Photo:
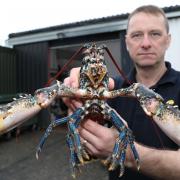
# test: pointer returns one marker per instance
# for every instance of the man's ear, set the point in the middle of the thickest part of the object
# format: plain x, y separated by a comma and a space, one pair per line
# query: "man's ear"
127, 48
168, 41
126, 43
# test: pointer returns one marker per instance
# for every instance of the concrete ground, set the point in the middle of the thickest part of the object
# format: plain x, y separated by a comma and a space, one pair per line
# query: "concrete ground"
18, 162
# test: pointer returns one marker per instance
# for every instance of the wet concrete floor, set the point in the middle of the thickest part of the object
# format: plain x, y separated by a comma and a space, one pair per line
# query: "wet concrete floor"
18, 161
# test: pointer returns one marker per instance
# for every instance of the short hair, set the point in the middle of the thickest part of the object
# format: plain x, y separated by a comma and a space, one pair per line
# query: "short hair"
150, 9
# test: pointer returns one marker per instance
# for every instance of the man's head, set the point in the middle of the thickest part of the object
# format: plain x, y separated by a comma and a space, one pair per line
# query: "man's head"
147, 36
150, 9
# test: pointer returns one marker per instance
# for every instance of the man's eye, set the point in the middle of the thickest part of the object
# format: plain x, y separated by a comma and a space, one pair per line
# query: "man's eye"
155, 34
136, 36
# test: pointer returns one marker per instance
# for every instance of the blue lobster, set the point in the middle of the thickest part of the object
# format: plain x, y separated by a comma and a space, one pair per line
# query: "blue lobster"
93, 88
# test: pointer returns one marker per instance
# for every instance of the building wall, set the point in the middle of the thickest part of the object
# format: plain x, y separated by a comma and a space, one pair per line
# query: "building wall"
32, 74
7, 71
32, 66
173, 53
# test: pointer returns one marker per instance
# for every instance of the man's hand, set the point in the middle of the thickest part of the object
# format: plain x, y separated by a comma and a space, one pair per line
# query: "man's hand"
97, 139
72, 81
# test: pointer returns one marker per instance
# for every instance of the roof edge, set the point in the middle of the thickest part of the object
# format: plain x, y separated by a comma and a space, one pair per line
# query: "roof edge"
93, 26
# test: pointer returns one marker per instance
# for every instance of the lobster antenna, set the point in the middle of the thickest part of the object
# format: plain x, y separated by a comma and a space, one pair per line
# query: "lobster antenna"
116, 65
64, 67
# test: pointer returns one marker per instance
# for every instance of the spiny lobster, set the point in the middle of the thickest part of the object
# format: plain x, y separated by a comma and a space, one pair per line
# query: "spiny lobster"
93, 90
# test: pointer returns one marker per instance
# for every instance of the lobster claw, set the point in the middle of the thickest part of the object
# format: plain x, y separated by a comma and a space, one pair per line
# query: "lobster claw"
45, 96
149, 100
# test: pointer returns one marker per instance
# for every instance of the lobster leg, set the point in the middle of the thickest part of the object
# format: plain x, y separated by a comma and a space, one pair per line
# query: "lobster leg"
53, 124
77, 152
73, 124
125, 137
73, 156
47, 133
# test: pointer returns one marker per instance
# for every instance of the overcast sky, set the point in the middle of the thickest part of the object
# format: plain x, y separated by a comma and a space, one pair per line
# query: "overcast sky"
22, 15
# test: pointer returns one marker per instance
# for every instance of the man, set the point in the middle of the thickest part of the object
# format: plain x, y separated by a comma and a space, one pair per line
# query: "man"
147, 40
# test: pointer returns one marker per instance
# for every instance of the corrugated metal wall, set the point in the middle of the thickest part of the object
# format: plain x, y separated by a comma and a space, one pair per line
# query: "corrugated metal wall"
126, 61
32, 73
7, 71
32, 66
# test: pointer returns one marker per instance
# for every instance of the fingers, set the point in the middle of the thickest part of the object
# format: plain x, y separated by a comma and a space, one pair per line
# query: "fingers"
99, 130
72, 104
69, 111
111, 84
88, 140
92, 127
89, 147
99, 140
72, 81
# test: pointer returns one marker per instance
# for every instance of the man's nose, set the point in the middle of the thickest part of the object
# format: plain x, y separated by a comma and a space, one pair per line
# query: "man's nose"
146, 42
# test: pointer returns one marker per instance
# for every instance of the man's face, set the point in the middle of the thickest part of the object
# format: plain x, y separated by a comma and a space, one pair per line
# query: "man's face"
147, 39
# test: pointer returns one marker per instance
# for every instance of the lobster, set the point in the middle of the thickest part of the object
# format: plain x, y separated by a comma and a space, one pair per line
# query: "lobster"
93, 91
